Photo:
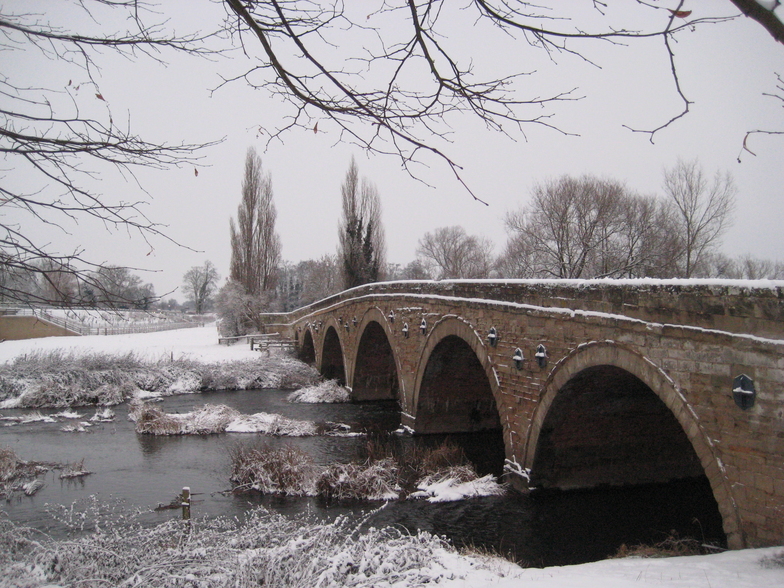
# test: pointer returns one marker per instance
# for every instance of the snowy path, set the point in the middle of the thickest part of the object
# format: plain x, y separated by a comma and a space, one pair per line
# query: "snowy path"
733, 569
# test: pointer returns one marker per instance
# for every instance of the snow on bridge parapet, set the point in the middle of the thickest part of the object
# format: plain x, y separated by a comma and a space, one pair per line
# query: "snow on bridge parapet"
754, 307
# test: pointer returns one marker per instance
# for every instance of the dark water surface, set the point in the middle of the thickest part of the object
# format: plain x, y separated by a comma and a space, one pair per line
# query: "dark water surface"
139, 472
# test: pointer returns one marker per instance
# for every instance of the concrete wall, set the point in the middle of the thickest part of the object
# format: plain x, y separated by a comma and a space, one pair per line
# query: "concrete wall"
29, 327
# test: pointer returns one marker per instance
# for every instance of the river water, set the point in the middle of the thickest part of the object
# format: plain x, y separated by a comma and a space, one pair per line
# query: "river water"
133, 472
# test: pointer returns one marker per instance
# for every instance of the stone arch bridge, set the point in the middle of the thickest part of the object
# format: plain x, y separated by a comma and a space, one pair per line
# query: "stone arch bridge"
604, 382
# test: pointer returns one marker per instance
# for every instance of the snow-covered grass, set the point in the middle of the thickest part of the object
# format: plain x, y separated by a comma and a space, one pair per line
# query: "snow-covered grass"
18, 476
198, 344
268, 549
427, 473
284, 470
40, 377
219, 418
325, 392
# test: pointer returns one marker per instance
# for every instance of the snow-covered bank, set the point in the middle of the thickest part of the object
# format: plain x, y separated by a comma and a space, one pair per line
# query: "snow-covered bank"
272, 550
76, 371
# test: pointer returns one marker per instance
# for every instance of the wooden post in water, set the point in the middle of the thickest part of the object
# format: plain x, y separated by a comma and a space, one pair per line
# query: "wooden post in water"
186, 503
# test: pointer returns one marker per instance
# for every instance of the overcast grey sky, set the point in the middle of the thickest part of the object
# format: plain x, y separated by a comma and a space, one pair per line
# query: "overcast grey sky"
724, 70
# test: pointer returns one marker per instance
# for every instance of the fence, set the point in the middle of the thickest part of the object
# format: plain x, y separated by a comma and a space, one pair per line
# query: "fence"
77, 327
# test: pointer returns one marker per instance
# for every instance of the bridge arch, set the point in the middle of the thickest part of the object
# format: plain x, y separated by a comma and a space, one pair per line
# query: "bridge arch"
375, 374
333, 358
456, 385
608, 360
307, 349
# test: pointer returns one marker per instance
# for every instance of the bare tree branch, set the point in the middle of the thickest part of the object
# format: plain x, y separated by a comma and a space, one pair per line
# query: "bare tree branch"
53, 153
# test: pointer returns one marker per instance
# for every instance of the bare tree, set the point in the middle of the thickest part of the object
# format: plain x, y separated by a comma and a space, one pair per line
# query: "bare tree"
238, 311
361, 246
452, 253
588, 227
315, 56
118, 288
646, 244
704, 210
566, 230
56, 150
255, 245
200, 283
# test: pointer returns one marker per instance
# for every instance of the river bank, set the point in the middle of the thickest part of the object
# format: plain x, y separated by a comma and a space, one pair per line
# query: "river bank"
368, 559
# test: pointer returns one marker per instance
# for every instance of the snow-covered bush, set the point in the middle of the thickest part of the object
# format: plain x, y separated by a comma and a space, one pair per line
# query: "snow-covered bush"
57, 379
374, 481
219, 418
204, 421
421, 474
325, 392
265, 549
283, 470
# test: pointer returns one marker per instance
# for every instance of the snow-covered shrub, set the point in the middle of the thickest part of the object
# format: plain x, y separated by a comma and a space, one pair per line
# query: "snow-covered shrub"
457, 484
283, 470
325, 392
265, 549
265, 372
56, 379
207, 420
374, 481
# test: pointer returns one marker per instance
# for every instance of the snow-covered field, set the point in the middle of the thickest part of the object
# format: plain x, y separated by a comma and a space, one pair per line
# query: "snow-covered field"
199, 344
226, 558
108, 370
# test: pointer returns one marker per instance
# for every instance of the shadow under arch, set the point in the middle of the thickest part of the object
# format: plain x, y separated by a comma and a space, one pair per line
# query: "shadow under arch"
376, 369
307, 350
332, 365
456, 387
625, 383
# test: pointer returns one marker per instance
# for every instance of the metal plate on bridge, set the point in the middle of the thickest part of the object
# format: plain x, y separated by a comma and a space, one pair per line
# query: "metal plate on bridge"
743, 391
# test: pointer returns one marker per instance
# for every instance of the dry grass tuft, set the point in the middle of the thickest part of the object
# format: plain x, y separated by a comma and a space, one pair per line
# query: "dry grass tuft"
672, 546
374, 481
774, 561
284, 470
17, 475
385, 473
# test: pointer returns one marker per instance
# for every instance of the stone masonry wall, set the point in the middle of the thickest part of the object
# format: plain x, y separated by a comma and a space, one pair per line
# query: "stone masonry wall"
685, 342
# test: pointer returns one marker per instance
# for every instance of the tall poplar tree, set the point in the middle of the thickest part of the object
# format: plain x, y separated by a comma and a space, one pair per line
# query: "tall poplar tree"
362, 246
255, 245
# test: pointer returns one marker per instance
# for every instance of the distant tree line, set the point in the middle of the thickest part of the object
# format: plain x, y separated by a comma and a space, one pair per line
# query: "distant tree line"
570, 228
55, 284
